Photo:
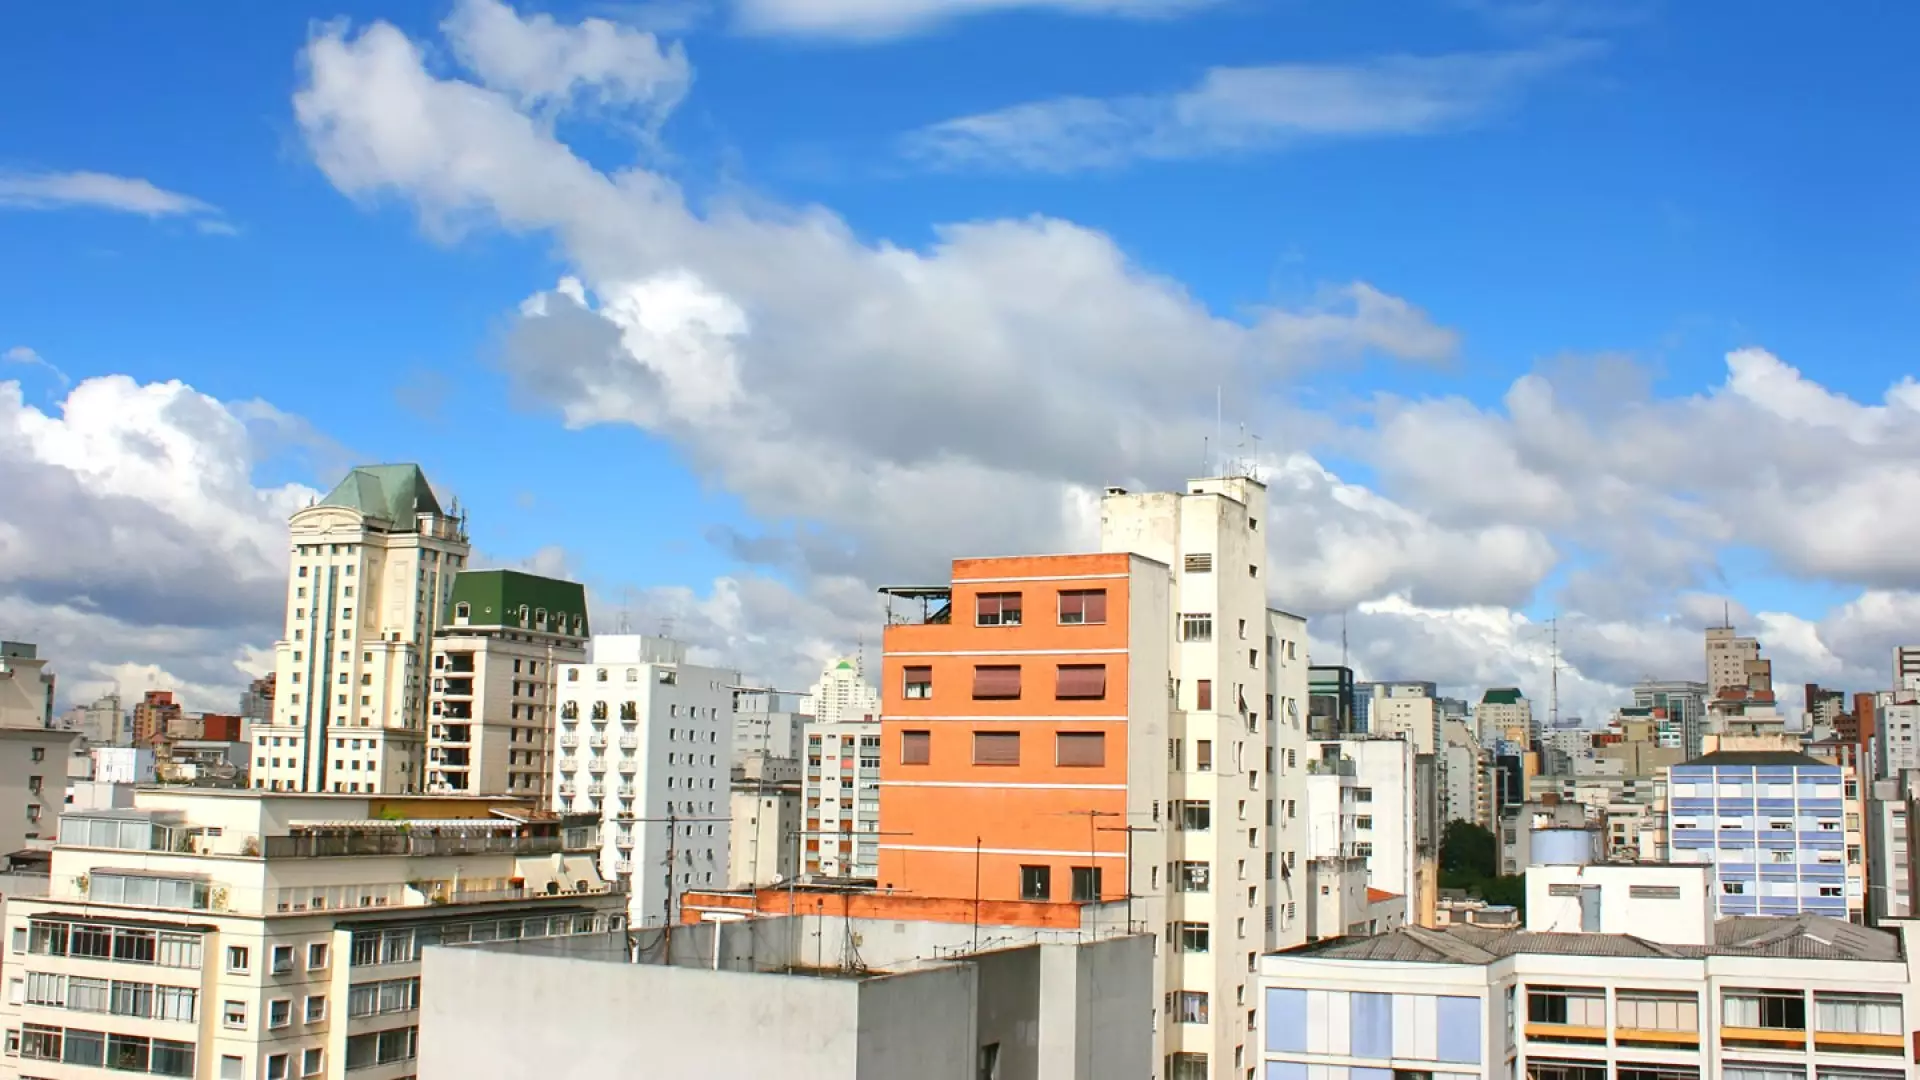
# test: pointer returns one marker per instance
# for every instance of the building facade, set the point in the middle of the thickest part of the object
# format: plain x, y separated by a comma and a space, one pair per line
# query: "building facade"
1782, 831
643, 745
764, 838
842, 771
33, 783
260, 936
1685, 706
1505, 715
843, 693
26, 687
370, 579
491, 721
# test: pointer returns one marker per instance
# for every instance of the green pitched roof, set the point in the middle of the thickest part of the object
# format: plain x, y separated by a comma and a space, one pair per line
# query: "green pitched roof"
393, 493
495, 597
1503, 695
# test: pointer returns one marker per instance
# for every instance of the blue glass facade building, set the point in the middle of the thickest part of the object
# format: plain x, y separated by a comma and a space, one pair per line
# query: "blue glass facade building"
1772, 824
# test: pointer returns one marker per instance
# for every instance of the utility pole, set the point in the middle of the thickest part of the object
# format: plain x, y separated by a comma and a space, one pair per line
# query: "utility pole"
673, 821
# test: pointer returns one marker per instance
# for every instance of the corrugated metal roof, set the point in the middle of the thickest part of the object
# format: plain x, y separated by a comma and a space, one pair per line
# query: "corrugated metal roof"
1800, 937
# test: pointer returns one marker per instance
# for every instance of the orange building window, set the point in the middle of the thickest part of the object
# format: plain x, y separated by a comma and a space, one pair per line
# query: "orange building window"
1036, 882
1083, 607
996, 748
996, 681
919, 683
1081, 681
1082, 749
997, 609
916, 747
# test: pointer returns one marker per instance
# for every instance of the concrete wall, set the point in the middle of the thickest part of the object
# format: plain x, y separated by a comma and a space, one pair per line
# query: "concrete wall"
913, 1026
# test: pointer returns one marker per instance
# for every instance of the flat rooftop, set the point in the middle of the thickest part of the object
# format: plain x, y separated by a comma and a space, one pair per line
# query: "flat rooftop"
1797, 937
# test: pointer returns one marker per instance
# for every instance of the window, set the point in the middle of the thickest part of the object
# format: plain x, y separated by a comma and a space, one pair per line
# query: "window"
238, 958
234, 1014
1199, 564
1654, 892
1190, 936
1081, 682
1858, 1014
1778, 1010
1734, 1070
1080, 749
1083, 607
88, 995
131, 999
278, 1067
176, 1003
1192, 815
1186, 1066
1650, 1010
918, 683
1203, 755
1036, 882
282, 959
1196, 627
1193, 877
311, 1061
997, 609
171, 1058
996, 682
1733, 888
381, 1047
1203, 694
316, 1008
1574, 1007
279, 1012
916, 747
316, 956
996, 748
1190, 1007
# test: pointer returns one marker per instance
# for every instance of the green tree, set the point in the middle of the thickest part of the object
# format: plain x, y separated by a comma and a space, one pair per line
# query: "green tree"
1469, 851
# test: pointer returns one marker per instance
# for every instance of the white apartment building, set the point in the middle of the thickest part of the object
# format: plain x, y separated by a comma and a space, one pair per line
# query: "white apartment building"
124, 764
1239, 678
371, 577
1405, 710
246, 935
1466, 775
843, 693
494, 664
842, 772
768, 722
1360, 803
643, 743
1572, 997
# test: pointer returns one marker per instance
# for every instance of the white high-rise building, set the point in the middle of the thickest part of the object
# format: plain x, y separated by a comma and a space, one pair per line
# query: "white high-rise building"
644, 740
843, 798
843, 693
1239, 680
1405, 710
371, 575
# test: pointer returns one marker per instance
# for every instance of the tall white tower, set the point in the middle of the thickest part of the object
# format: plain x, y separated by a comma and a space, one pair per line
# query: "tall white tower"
843, 693
1239, 680
371, 576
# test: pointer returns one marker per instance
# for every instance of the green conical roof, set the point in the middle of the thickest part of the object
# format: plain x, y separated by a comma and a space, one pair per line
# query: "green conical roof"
393, 493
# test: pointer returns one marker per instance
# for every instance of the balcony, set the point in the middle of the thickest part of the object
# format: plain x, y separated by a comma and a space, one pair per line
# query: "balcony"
629, 742
420, 840
596, 789
629, 766
1331, 767
597, 765
598, 742
625, 791
568, 742
455, 688
623, 866
458, 664
564, 789
624, 843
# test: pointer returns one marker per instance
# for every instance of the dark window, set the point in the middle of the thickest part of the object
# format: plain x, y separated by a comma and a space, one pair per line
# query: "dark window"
1086, 884
997, 609
1036, 882
996, 682
916, 747
1083, 749
1203, 755
1083, 607
996, 748
1081, 681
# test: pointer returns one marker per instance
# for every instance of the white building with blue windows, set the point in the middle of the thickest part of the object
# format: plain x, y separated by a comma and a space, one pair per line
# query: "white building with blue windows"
1781, 830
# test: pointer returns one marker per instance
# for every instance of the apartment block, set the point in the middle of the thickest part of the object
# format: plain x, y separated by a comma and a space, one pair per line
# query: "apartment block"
1571, 997
1782, 831
495, 660
26, 687
769, 723
764, 837
33, 783
1361, 803
843, 693
248, 935
643, 745
370, 579
1505, 715
842, 772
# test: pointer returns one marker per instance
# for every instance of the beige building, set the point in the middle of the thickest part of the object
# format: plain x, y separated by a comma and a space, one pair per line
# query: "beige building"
370, 579
494, 663
765, 837
33, 783
243, 935
1506, 714
26, 687
1729, 660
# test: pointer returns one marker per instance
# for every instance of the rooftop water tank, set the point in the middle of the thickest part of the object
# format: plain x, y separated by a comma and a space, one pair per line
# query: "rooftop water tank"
1563, 846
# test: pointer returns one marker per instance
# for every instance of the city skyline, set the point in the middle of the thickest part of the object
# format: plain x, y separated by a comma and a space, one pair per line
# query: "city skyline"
1622, 413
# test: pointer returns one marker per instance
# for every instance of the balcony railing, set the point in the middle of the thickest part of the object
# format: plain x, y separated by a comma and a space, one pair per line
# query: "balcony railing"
626, 791
328, 845
596, 789
565, 788
1331, 767
598, 742
629, 742
597, 765
568, 742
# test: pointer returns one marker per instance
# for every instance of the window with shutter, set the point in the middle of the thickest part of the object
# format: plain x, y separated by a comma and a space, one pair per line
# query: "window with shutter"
1081, 749
1083, 607
992, 681
997, 609
918, 683
1199, 564
996, 748
1082, 681
916, 747
1203, 694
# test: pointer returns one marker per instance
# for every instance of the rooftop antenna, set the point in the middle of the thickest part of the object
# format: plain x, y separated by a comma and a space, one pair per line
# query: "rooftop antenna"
1553, 708
1343, 638
1219, 423
626, 602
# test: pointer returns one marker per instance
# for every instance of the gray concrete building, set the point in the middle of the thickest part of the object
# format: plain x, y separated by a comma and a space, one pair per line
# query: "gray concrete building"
802, 997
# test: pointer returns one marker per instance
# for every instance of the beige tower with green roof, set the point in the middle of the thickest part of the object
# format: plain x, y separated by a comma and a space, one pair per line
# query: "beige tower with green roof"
370, 576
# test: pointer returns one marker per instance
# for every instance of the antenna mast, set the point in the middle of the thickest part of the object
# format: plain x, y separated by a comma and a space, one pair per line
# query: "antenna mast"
1553, 629
1343, 639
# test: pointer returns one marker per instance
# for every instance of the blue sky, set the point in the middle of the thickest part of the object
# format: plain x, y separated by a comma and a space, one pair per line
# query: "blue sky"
1669, 184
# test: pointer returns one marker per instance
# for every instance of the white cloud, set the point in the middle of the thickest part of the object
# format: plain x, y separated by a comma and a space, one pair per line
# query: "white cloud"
881, 19
1245, 109
100, 191
547, 66
134, 537
21, 354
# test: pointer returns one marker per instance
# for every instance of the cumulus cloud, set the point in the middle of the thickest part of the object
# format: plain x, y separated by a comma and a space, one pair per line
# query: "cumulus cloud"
547, 66
134, 537
1243, 109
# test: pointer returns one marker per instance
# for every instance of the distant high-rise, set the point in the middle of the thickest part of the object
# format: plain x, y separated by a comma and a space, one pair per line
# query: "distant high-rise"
1734, 664
154, 715
256, 703
1685, 704
1505, 715
371, 576
843, 693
